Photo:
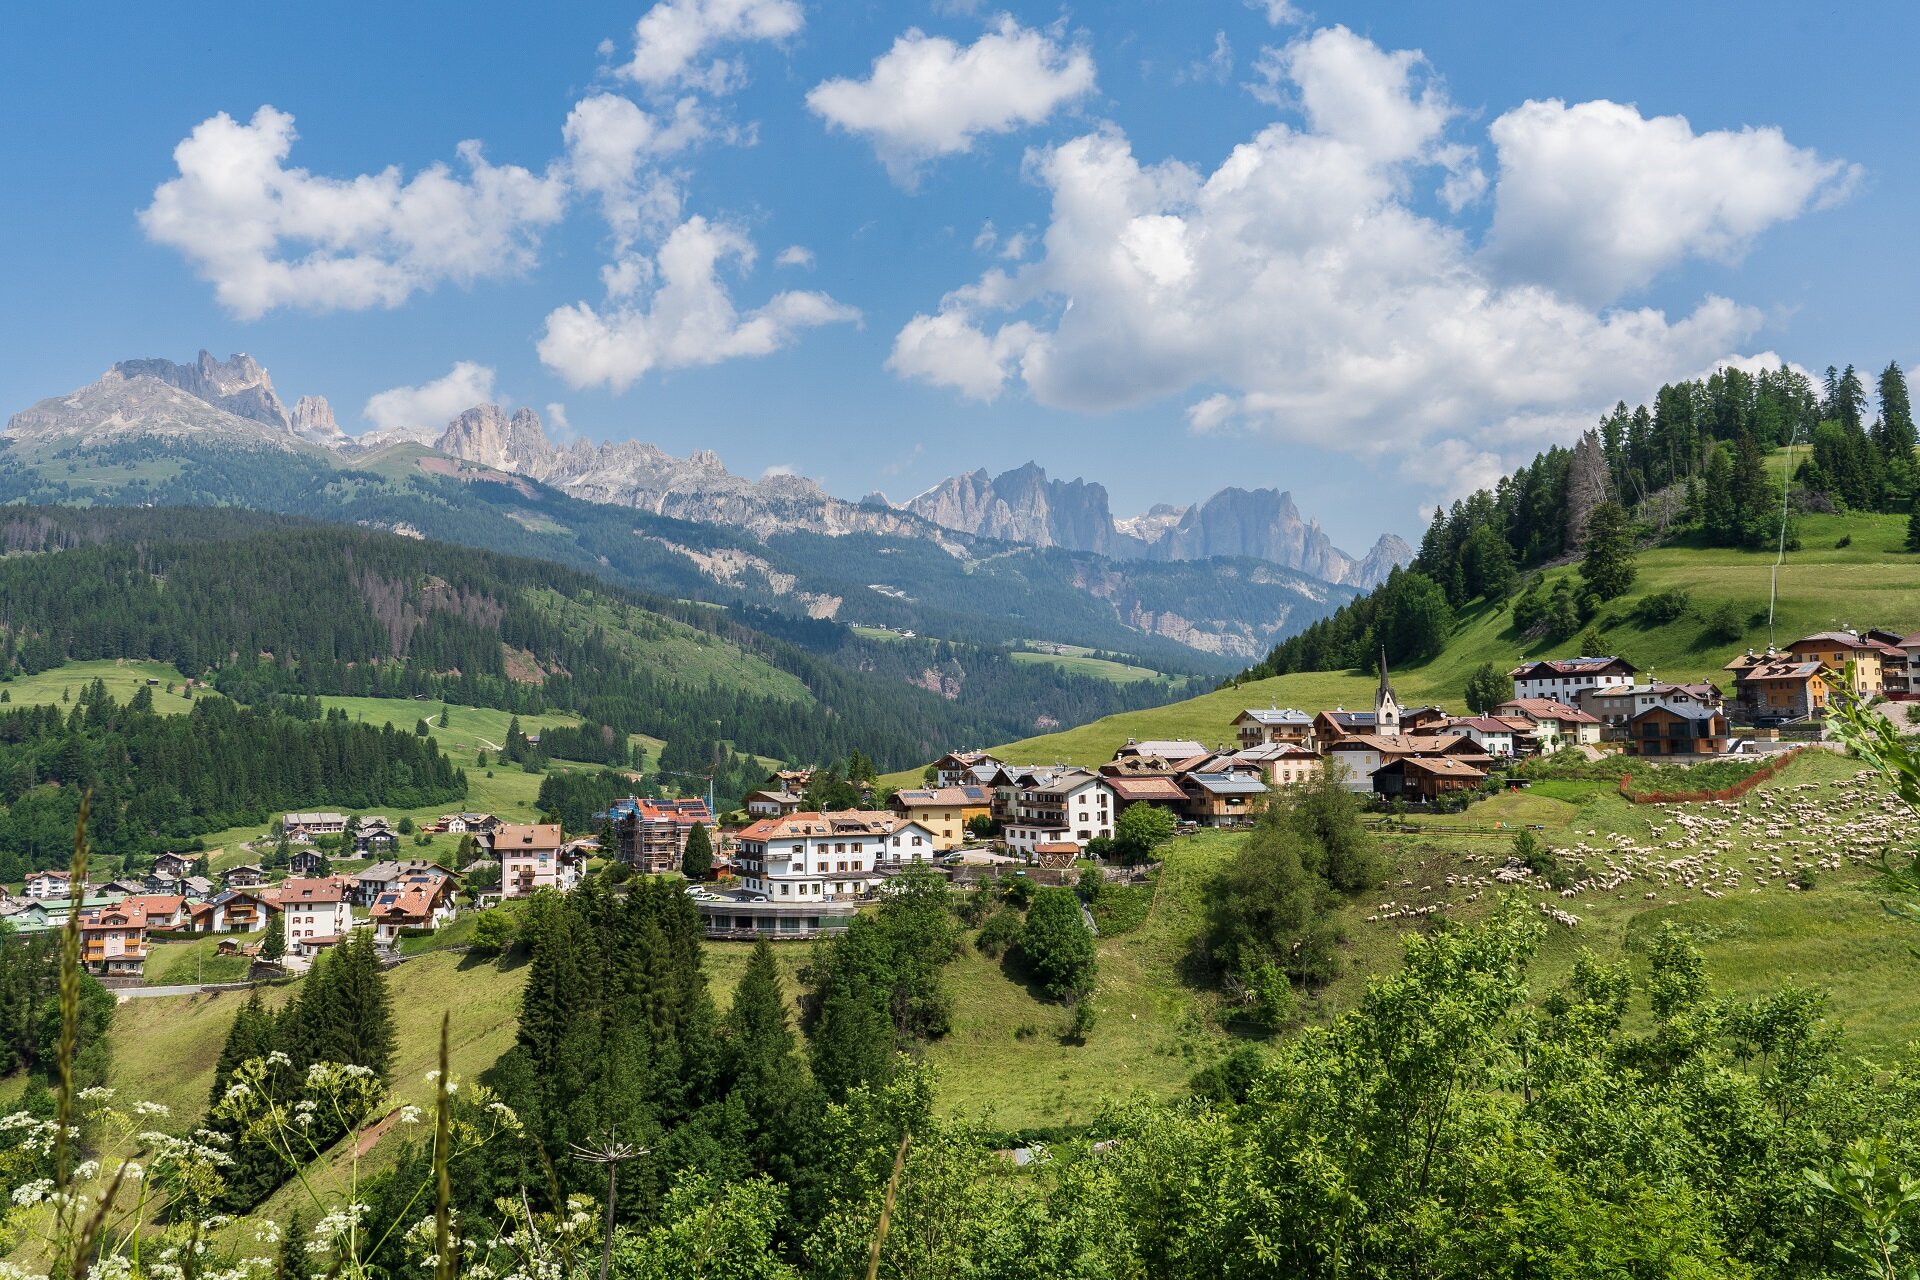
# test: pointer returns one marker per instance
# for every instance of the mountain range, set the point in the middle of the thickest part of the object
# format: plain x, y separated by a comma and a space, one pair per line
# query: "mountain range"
993, 560
1023, 505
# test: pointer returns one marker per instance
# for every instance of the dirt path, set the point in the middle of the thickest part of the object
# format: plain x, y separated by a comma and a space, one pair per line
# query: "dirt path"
374, 1132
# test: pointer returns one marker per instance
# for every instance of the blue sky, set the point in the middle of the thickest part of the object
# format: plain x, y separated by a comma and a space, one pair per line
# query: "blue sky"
1368, 253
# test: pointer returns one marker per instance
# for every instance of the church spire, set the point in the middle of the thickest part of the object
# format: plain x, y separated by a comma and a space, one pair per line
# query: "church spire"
1386, 707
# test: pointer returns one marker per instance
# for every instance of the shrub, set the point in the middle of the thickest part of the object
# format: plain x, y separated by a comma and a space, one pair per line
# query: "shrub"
1667, 606
1232, 1078
1725, 623
1541, 860
1083, 1019
1000, 932
974, 907
494, 931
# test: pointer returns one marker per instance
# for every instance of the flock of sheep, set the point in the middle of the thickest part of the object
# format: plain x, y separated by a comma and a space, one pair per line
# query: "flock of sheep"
1771, 838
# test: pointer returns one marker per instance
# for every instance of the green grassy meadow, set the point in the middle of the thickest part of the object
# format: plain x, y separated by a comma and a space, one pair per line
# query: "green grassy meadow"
195, 961
123, 678
505, 790
1082, 665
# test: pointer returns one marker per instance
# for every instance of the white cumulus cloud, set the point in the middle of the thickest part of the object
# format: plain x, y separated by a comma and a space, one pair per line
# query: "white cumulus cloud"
928, 96
1597, 199
269, 236
795, 255
687, 317
612, 145
432, 404
673, 38
1295, 289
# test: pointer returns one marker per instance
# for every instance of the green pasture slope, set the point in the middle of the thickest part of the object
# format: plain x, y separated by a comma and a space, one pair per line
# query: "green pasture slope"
1873, 581
506, 790
1084, 665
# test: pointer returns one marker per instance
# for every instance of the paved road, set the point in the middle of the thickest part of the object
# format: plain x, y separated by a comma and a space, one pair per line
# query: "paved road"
144, 993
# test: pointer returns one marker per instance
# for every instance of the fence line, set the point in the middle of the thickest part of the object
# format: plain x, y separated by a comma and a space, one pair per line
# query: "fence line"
1732, 792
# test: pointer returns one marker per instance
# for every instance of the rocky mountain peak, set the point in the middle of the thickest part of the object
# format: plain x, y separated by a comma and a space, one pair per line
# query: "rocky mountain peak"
313, 420
487, 435
237, 384
1023, 505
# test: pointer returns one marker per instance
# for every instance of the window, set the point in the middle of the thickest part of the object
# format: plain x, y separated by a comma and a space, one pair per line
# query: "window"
783, 890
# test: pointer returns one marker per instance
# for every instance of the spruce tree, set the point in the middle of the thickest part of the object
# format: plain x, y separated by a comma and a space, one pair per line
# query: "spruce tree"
251, 1036
1913, 523
696, 863
346, 1012
1896, 435
274, 945
1608, 567
853, 1041
768, 1082
291, 1264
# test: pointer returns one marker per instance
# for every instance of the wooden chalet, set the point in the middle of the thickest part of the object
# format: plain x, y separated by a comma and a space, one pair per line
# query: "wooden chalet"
1425, 778
1223, 799
1678, 731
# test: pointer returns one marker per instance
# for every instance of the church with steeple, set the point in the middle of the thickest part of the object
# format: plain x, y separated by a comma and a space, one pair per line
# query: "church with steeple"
1386, 707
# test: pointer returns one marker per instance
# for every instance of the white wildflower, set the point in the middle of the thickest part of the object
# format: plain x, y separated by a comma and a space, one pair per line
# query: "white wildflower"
33, 1192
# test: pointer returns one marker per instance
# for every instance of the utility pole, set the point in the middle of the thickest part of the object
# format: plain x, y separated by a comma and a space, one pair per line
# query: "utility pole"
611, 1154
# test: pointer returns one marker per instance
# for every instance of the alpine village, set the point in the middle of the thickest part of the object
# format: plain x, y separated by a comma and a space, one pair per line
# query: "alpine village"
488, 843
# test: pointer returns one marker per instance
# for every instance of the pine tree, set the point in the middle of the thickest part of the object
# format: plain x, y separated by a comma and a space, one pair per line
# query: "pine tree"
274, 945
1913, 523
696, 863
1896, 434
853, 1041
1608, 567
251, 1036
767, 1079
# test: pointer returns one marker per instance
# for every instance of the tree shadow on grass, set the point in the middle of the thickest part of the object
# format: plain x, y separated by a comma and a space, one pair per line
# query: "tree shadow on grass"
502, 962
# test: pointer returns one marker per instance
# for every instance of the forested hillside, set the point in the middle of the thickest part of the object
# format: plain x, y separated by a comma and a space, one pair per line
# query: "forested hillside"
1010, 593
1696, 468
265, 605
157, 781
